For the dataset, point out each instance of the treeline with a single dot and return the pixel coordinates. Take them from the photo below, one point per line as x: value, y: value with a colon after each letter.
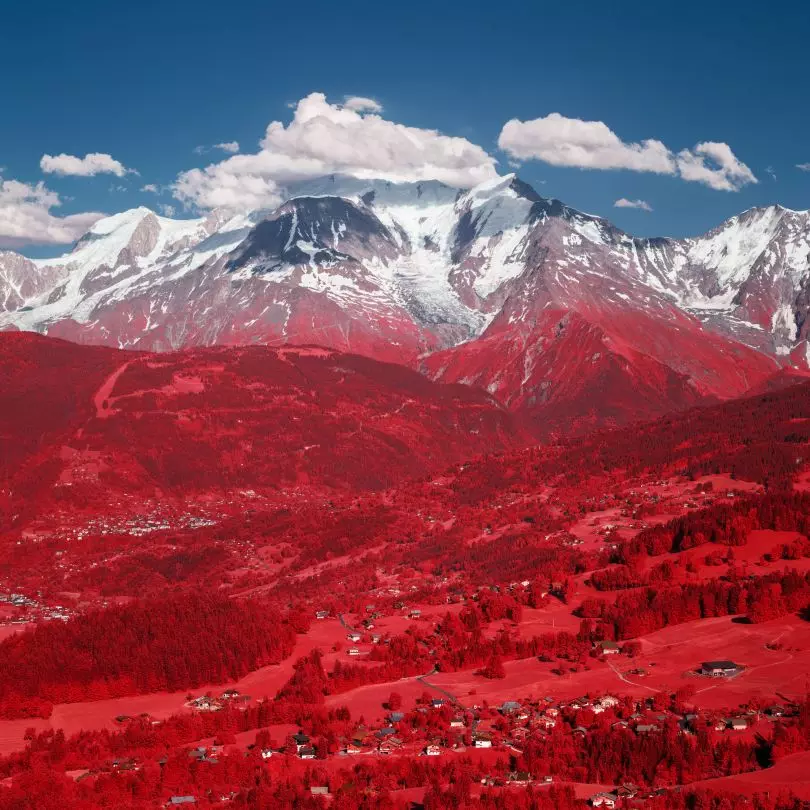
x: 758, y: 599
x: 180, y: 641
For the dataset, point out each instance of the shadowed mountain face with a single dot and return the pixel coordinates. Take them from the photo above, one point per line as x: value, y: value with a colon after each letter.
x: 551, y: 310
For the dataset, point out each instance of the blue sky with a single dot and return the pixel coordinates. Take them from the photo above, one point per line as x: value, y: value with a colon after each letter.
x: 147, y: 83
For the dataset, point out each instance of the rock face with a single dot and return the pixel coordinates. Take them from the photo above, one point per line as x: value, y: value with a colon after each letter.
x: 555, y: 312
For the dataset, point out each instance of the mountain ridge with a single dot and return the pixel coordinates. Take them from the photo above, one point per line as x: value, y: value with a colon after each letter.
x: 458, y: 283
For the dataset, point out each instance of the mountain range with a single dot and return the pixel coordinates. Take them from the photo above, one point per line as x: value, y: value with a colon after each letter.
x: 559, y: 315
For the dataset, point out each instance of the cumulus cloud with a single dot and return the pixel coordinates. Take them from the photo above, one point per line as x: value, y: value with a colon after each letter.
x: 362, y: 104
x: 325, y: 139
x: 562, y: 141
x: 232, y: 147
x: 805, y: 167
x: 90, y: 165
x: 714, y: 165
x: 26, y: 218
x: 623, y: 202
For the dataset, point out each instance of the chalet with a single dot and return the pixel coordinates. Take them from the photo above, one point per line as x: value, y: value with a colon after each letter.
x: 775, y: 711
x: 354, y: 636
x: 321, y: 614
x: 620, y: 724
x: 520, y: 778
x: 737, y: 724
x: 626, y: 791
x: 482, y: 741
x: 385, y: 732
x: 390, y: 745
x: 306, y: 752
x: 352, y: 651
x: 608, y: 648
x: 175, y: 800
x: 719, y: 669
x: 509, y: 707
x: 547, y: 722
x: 319, y: 790
x: 267, y: 753
x: 432, y: 750
x: 415, y: 614
x: 376, y: 638
x: 396, y: 717
x: 230, y: 694
x: 547, y: 780
x: 608, y: 702
x: 457, y: 722
x: 646, y: 728
x: 607, y: 800
x: 437, y: 703
x: 352, y: 750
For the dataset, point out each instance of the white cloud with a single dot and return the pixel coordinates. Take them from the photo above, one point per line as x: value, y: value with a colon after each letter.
x: 228, y: 146
x: 151, y: 188
x: 90, y: 165
x: 714, y: 165
x: 26, y: 218
x: 805, y: 167
x: 623, y: 202
x: 562, y: 141
x: 167, y: 210
x: 324, y: 139
x: 362, y: 104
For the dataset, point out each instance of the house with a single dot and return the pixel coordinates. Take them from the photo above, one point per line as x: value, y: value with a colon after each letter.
x: 321, y: 614
x: 230, y: 694
x: 737, y: 724
x: 319, y: 790
x: 521, y: 778
x: 437, y: 703
x: 306, y: 752
x: 353, y: 636
x: 608, y: 648
x: 175, y: 800
x: 775, y: 711
x: 547, y: 722
x: 352, y: 750
x: 267, y: 753
x: 390, y: 745
x: 509, y: 706
x: 646, y: 728
x: 396, y: 717
x: 627, y: 791
x: 300, y: 739
x: 547, y: 780
x: 482, y: 741
x: 457, y: 722
x: 385, y: 732
x: 415, y: 614
x: 603, y: 800
x: 432, y: 750
x: 620, y: 724
x: 376, y: 638
x: 352, y: 651
x: 719, y: 669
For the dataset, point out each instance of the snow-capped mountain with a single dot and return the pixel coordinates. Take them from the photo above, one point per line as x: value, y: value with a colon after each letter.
x: 541, y: 304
